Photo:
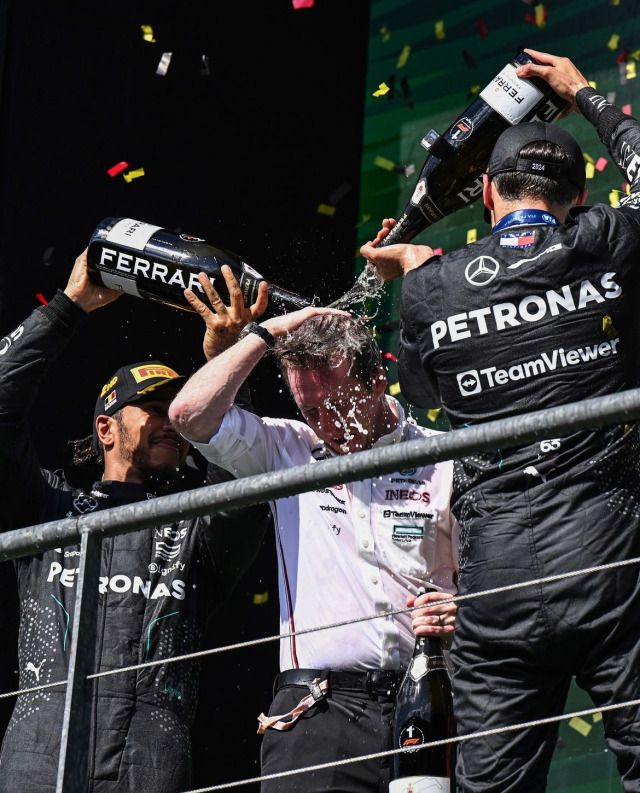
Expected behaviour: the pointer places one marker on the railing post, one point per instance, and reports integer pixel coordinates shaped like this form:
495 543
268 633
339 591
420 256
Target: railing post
76 725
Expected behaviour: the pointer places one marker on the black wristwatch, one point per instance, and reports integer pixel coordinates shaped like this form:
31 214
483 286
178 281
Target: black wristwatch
264 334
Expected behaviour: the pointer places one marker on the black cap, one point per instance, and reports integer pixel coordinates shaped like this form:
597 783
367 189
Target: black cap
506 158
130 384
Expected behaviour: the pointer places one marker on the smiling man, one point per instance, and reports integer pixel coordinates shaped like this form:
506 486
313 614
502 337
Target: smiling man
344 552
158 586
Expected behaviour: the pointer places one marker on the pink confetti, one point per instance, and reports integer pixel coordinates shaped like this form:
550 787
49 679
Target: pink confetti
626 109
117 168
437 251
389 356
297 4
42 298
601 164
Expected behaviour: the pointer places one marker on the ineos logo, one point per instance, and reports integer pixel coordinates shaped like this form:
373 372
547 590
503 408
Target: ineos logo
481 271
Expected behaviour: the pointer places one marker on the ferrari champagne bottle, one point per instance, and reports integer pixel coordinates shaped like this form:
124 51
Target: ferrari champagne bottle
451 177
424 713
156 264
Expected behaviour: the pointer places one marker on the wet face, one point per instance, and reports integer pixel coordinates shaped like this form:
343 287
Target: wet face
145 439
347 414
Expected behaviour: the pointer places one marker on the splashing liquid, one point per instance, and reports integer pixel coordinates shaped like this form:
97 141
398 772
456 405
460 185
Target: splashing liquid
367 288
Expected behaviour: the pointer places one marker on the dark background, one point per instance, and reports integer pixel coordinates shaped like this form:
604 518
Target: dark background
241 157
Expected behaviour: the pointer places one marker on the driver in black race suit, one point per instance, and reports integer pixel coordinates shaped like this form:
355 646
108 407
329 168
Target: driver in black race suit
542 312
157 586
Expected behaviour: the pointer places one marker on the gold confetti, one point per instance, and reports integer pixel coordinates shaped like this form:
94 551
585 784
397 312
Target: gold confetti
472 235
540 21
433 414
326 209
590 170
593 84
382 162
615 2
608 328
130 175
588 157
385 34
580 725
383 89
260 598
394 389
473 91
631 70
614 201
596 717
147 33
635 55
403 57
440 34
613 41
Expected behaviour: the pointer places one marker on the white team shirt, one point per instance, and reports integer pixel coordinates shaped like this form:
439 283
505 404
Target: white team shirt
350 550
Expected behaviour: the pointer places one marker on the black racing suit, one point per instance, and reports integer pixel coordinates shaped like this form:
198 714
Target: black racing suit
532 316
157 588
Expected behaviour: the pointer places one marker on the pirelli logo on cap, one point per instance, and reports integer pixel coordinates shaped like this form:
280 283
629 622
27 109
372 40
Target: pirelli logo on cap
142 373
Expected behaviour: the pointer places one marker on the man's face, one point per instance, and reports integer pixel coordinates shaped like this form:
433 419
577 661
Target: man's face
343 411
146 439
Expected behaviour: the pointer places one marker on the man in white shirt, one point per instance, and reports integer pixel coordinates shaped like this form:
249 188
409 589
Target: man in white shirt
344 552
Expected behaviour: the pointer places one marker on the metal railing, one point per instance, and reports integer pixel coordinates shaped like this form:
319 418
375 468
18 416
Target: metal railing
90 528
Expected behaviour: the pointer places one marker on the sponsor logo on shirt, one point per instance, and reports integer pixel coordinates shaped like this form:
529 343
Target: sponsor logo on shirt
398 494
332 508
120 583
473 381
482 270
168 542
532 308
524 239
404 534
7 341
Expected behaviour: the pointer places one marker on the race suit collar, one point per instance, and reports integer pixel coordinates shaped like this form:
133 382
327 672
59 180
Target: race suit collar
526 217
121 492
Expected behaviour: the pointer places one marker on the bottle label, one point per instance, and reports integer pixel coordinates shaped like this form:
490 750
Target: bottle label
419 192
510 95
420 784
132 233
113 281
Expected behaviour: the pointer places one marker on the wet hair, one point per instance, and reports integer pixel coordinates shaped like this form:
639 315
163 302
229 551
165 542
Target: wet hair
325 341
84 453
516 185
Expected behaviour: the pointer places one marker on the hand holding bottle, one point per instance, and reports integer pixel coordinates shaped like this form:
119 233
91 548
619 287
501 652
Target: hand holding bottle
223 323
560 73
437 615
394 261
83 291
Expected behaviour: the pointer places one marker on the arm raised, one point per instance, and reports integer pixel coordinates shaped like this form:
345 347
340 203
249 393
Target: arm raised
198 409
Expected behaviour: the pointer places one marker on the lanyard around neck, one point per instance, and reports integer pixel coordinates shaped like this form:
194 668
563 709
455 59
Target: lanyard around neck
526 217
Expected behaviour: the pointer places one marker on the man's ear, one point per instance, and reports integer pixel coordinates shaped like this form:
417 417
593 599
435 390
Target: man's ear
487 198
105 429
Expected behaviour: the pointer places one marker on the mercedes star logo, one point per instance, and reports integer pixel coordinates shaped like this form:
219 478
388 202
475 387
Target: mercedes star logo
481 271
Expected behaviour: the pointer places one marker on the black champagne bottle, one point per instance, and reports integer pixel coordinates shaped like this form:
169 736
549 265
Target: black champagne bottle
157 264
424 713
451 177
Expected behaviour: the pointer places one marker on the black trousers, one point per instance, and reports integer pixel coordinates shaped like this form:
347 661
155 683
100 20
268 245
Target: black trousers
346 723
515 654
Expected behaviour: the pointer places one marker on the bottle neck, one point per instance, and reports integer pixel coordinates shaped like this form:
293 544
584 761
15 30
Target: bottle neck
428 645
283 301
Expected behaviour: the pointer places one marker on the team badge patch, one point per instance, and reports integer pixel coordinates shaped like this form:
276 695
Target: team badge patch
518 239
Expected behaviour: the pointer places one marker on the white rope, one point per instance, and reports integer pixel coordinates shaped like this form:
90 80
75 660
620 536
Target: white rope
380 615
20 691
432 744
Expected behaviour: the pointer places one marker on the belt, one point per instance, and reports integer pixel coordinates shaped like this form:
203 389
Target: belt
372 682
